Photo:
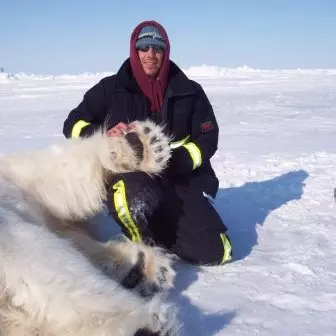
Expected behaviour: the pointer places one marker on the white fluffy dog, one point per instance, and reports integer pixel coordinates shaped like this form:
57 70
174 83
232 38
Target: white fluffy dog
55 280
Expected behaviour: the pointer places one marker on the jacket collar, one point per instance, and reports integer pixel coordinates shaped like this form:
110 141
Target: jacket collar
125 79
178 83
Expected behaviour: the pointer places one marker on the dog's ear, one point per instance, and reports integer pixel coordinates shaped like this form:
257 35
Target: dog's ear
136 144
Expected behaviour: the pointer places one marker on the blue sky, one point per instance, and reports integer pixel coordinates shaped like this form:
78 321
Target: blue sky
57 37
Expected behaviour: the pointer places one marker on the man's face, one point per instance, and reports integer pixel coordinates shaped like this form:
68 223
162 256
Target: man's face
151 59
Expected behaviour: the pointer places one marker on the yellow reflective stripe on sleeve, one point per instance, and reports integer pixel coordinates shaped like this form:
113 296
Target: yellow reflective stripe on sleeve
120 204
176 144
195 154
80 124
227 255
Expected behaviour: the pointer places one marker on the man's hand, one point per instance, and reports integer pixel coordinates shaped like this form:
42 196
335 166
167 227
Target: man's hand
119 129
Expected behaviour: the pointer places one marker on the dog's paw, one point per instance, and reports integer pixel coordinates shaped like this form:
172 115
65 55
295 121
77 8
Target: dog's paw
158 274
145 269
151 273
156 152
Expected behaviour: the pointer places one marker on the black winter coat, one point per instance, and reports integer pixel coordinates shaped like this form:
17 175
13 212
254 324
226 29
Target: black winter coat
186 111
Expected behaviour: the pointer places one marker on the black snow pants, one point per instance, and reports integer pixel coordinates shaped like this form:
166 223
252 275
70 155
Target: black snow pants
177 215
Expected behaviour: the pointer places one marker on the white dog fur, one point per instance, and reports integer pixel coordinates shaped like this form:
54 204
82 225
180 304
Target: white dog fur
55 280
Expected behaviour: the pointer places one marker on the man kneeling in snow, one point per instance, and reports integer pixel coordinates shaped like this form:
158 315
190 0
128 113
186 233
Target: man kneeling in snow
173 210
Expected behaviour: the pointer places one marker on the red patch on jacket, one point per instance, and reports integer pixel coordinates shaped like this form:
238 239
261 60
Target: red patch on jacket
207 126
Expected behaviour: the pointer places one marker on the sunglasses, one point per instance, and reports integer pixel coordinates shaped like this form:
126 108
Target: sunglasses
155 48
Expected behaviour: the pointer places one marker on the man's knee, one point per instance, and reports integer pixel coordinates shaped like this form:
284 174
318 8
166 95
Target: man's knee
132 199
208 249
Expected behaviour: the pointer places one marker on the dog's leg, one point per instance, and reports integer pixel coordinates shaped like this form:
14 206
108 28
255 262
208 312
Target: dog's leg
60 290
69 180
135 265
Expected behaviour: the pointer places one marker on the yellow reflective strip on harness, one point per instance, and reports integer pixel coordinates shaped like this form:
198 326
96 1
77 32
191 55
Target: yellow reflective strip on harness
124 215
176 144
195 154
80 124
227 255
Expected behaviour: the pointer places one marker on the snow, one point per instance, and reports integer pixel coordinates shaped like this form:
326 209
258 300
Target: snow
276 164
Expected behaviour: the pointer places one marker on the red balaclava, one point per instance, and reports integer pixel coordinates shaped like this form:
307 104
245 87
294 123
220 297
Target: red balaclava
153 89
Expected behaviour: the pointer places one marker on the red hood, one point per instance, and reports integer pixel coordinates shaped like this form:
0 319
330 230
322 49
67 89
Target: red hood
154 90
136 32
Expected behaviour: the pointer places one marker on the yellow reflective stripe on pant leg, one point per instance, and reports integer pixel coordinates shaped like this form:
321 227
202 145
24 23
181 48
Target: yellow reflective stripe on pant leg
195 154
120 204
80 124
227 248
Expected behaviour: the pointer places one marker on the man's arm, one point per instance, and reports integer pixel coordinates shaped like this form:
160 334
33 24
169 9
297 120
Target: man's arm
203 141
89 115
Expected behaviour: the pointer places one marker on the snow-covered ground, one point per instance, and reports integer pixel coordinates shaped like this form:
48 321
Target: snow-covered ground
276 163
